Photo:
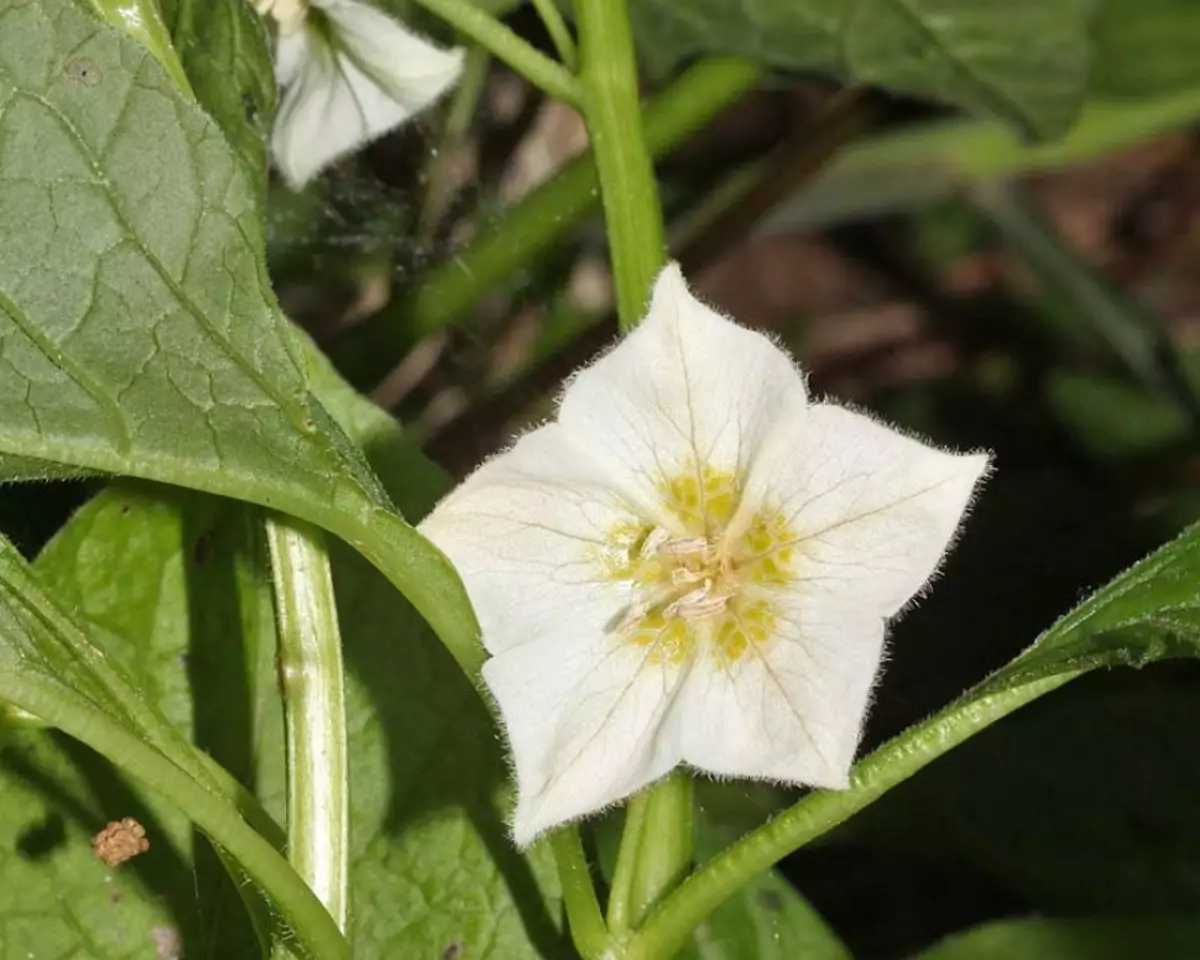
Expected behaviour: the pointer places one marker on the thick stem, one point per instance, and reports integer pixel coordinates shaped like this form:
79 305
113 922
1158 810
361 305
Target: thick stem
311 677
632 212
668 927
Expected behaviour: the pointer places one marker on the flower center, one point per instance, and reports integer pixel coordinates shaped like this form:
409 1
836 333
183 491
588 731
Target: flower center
701 583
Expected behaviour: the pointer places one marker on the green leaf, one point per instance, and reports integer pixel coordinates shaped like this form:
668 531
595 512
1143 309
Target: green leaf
56 898
224 48
139 333
1145 47
51 668
141 337
1022 60
1151 612
1103 938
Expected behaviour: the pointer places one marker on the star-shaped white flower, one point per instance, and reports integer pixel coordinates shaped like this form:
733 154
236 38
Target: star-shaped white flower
349 73
692 564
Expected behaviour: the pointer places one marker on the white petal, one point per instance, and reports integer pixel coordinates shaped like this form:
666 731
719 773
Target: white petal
687 386
527 532
790 708
589 723
871 510
343 91
408 68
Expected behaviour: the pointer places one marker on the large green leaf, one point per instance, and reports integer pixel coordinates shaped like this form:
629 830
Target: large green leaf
1022 60
138 333
1109 938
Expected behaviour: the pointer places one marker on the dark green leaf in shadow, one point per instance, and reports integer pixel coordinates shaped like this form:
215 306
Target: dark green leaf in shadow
766 920
1145 47
1024 61
1083 803
1104 938
1114 419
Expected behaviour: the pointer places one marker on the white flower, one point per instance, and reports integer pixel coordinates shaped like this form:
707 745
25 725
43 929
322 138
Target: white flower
692 564
349 73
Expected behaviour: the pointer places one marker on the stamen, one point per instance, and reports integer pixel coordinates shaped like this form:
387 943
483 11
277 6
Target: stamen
699 603
693 546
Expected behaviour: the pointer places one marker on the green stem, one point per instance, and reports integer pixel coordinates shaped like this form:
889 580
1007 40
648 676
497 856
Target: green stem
669 926
666 852
503 246
311 677
588 932
632 213
474 22
621 907
656 850
560 34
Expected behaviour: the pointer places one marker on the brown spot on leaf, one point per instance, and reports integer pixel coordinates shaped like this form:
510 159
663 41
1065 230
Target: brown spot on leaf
771 900
121 840
453 951
83 70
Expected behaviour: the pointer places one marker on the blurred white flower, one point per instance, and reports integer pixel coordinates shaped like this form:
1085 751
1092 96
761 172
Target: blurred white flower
349 74
692 564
